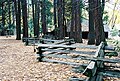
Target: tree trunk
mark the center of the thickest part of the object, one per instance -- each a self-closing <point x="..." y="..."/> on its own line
<point x="103" y="6"/>
<point x="24" y="15"/>
<point x="9" y="6"/>
<point x="28" y="8"/>
<point x="3" y="19"/>
<point x="33" y="14"/>
<point x="101" y="10"/>
<point x="99" y="28"/>
<point x="91" y="35"/>
<point x="55" y="18"/>
<point x="78" y="33"/>
<point x="36" y="20"/>
<point x="43" y="17"/>
<point x="13" y="13"/>
<point x="60" y="20"/>
<point x="18" y="19"/>
<point x="64" y="20"/>
<point x="72" y="29"/>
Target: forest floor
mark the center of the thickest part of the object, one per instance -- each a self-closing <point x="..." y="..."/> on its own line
<point x="18" y="63"/>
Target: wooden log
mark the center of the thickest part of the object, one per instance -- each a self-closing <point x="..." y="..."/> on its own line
<point x="112" y="66"/>
<point x="49" y="40"/>
<point x="40" y="51"/>
<point x="91" y="69"/>
<point x="30" y="38"/>
<point x="67" y="46"/>
<point x="63" y="41"/>
<point x="92" y="78"/>
<point x="79" y="69"/>
<point x="69" y="51"/>
<point x="82" y="58"/>
<point x="60" y="41"/>
<point x="60" y="62"/>
<point x="99" y="78"/>
<point x="115" y="74"/>
<point x="35" y="40"/>
<point x="98" y="52"/>
<point x="77" y="79"/>
<point x="106" y="60"/>
<point x="95" y="78"/>
<point x="111" y="48"/>
<point x="44" y="49"/>
<point x="29" y="41"/>
<point x="55" y="44"/>
<point x="57" y="56"/>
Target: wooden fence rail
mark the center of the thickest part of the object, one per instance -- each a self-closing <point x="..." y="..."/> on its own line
<point x="94" y="70"/>
<point x="36" y="41"/>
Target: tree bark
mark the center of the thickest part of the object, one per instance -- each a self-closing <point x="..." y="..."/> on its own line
<point x="18" y="19"/>
<point x="33" y="14"/>
<point x="103" y="6"/>
<point x="3" y="19"/>
<point x="64" y="20"/>
<point x="99" y="28"/>
<point x="43" y="17"/>
<point x="60" y="20"/>
<point x="72" y="29"/>
<point x="36" y="20"/>
<point x="13" y="13"/>
<point x="24" y="15"/>
<point x="78" y="33"/>
<point x="9" y="6"/>
<point x="101" y="10"/>
<point x="91" y="35"/>
<point x="3" y="15"/>
<point x="55" y="18"/>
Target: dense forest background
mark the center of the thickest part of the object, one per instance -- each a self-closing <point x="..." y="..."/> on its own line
<point x="33" y="18"/>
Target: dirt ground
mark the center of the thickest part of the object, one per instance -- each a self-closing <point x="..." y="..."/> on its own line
<point x="18" y="63"/>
